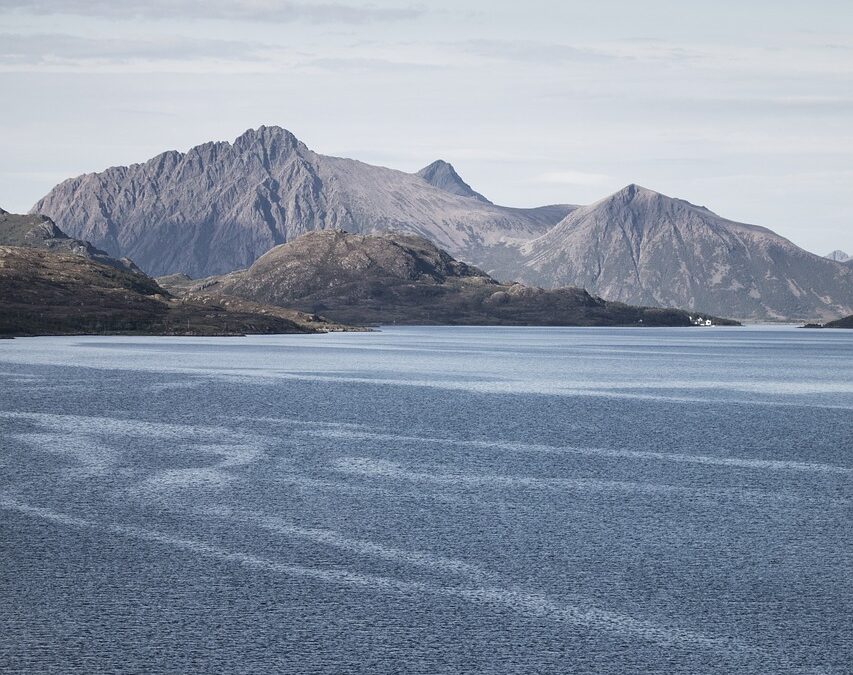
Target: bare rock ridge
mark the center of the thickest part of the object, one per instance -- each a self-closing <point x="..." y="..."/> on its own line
<point x="442" y="175"/>
<point x="641" y="247"/>
<point x="219" y="206"/>
<point x="397" y="278"/>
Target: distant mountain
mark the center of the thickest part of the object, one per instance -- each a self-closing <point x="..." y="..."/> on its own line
<point x="37" y="231"/>
<point x="395" y="278"/>
<point x="838" y="256"/>
<point x="219" y="206"/>
<point x="642" y="247"/>
<point x="442" y="175"/>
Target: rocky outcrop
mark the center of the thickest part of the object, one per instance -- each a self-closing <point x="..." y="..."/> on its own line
<point x="642" y="247"/>
<point x="38" y="231"/>
<point x="395" y="278"/>
<point x="219" y="206"/>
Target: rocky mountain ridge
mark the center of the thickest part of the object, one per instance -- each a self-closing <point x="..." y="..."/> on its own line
<point x="219" y="206"/>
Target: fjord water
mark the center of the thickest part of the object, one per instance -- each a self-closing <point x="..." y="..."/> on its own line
<point x="429" y="500"/>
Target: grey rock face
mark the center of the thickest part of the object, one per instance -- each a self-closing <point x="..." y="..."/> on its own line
<point x="442" y="175"/>
<point x="220" y="206"/>
<point x="37" y="231"/>
<point x="838" y="256"/>
<point x="641" y="247"/>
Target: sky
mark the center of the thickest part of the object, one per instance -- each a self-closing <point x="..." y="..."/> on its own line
<point x="743" y="107"/>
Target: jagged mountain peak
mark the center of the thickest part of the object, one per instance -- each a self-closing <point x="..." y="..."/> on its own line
<point x="271" y="141"/>
<point x="267" y="136"/>
<point x="442" y="175"/>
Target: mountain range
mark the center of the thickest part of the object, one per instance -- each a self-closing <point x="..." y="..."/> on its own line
<point x="52" y="284"/>
<point x="220" y="206"/>
<point x="396" y="278"/>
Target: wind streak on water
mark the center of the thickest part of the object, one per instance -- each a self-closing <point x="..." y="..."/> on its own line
<point x="78" y="436"/>
<point x="369" y="467"/>
<point x="708" y="460"/>
<point x="531" y="604"/>
<point x="337" y="540"/>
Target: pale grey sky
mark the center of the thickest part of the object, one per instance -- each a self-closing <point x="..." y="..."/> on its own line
<point x="744" y="107"/>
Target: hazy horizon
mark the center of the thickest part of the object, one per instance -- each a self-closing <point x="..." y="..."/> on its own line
<point x="744" y="110"/>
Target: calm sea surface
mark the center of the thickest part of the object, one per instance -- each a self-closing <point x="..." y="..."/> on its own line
<point x="429" y="500"/>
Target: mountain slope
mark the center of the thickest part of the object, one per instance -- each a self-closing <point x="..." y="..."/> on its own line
<point x="219" y="206"/>
<point x="641" y="247"/>
<point x="394" y="278"/>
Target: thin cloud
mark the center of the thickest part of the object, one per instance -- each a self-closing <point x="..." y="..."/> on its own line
<point x="534" y="52"/>
<point x="364" y="64"/>
<point x="61" y="49"/>
<point x="276" y="11"/>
